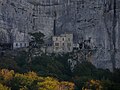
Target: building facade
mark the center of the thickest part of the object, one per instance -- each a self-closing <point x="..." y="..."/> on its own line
<point x="63" y="43"/>
<point x="21" y="40"/>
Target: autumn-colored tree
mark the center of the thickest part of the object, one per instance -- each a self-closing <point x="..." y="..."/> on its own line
<point x="66" y="86"/>
<point x="6" y="74"/>
<point x="93" y="85"/>
<point x="31" y="81"/>
<point x="4" y="87"/>
<point x="48" y="84"/>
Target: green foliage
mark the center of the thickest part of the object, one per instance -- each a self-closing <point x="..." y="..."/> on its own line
<point x="54" y="66"/>
<point x="8" y="62"/>
<point x="50" y="66"/>
<point x="35" y="44"/>
<point x="36" y="39"/>
<point x="22" y="61"/>
<point x="116" y="76"/>
<point x="84" y="69"/>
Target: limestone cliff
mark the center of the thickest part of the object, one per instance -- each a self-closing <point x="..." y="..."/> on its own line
<point x="15" y="14"/>
<point x="95" y="19"/>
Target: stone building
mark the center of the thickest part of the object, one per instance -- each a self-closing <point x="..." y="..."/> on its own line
<point x="63" y="43"/>
<point x="20" y="39"/>
<point x="20" y="42"/>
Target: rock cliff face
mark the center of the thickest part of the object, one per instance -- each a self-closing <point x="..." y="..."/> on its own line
<point x="95" y="19"/>
<point x="15" y="14"/>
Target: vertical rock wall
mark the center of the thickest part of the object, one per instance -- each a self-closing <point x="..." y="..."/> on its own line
<point x="84" y="18"/>
<point x="15" y="14"/>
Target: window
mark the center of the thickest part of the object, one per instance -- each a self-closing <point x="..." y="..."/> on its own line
<point x="69" y="49"/>
<point x="56" y="48"/>
<point x="20" y="44"/>
<point x="69" y="44"/>
<point x="63" y="39"/>
<point x="32" y="27"/>
<point x="63" y="44"/>
<point x="56" y="39"/>
<point x="68" y="39"/>
<point x="56" y="44"/>
<point x="25" y="44"/>
<point x="16" y="44"/>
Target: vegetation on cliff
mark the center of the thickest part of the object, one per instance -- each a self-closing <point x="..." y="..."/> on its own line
<point x="9" y="80"/>
<point x="84" y="76"/>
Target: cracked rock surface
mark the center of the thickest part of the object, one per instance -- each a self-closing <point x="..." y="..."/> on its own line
<point x="84" y="18"/>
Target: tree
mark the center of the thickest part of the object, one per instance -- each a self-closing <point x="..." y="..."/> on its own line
<point x="31" y="81"/>
<point x="36" y="39"/>
<point x="4" y="87"/>
<point x="35" y="43"/>
<point x="93" y="85"/>
<point x="6" y="74"/>
<point x="48" y="84"/>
